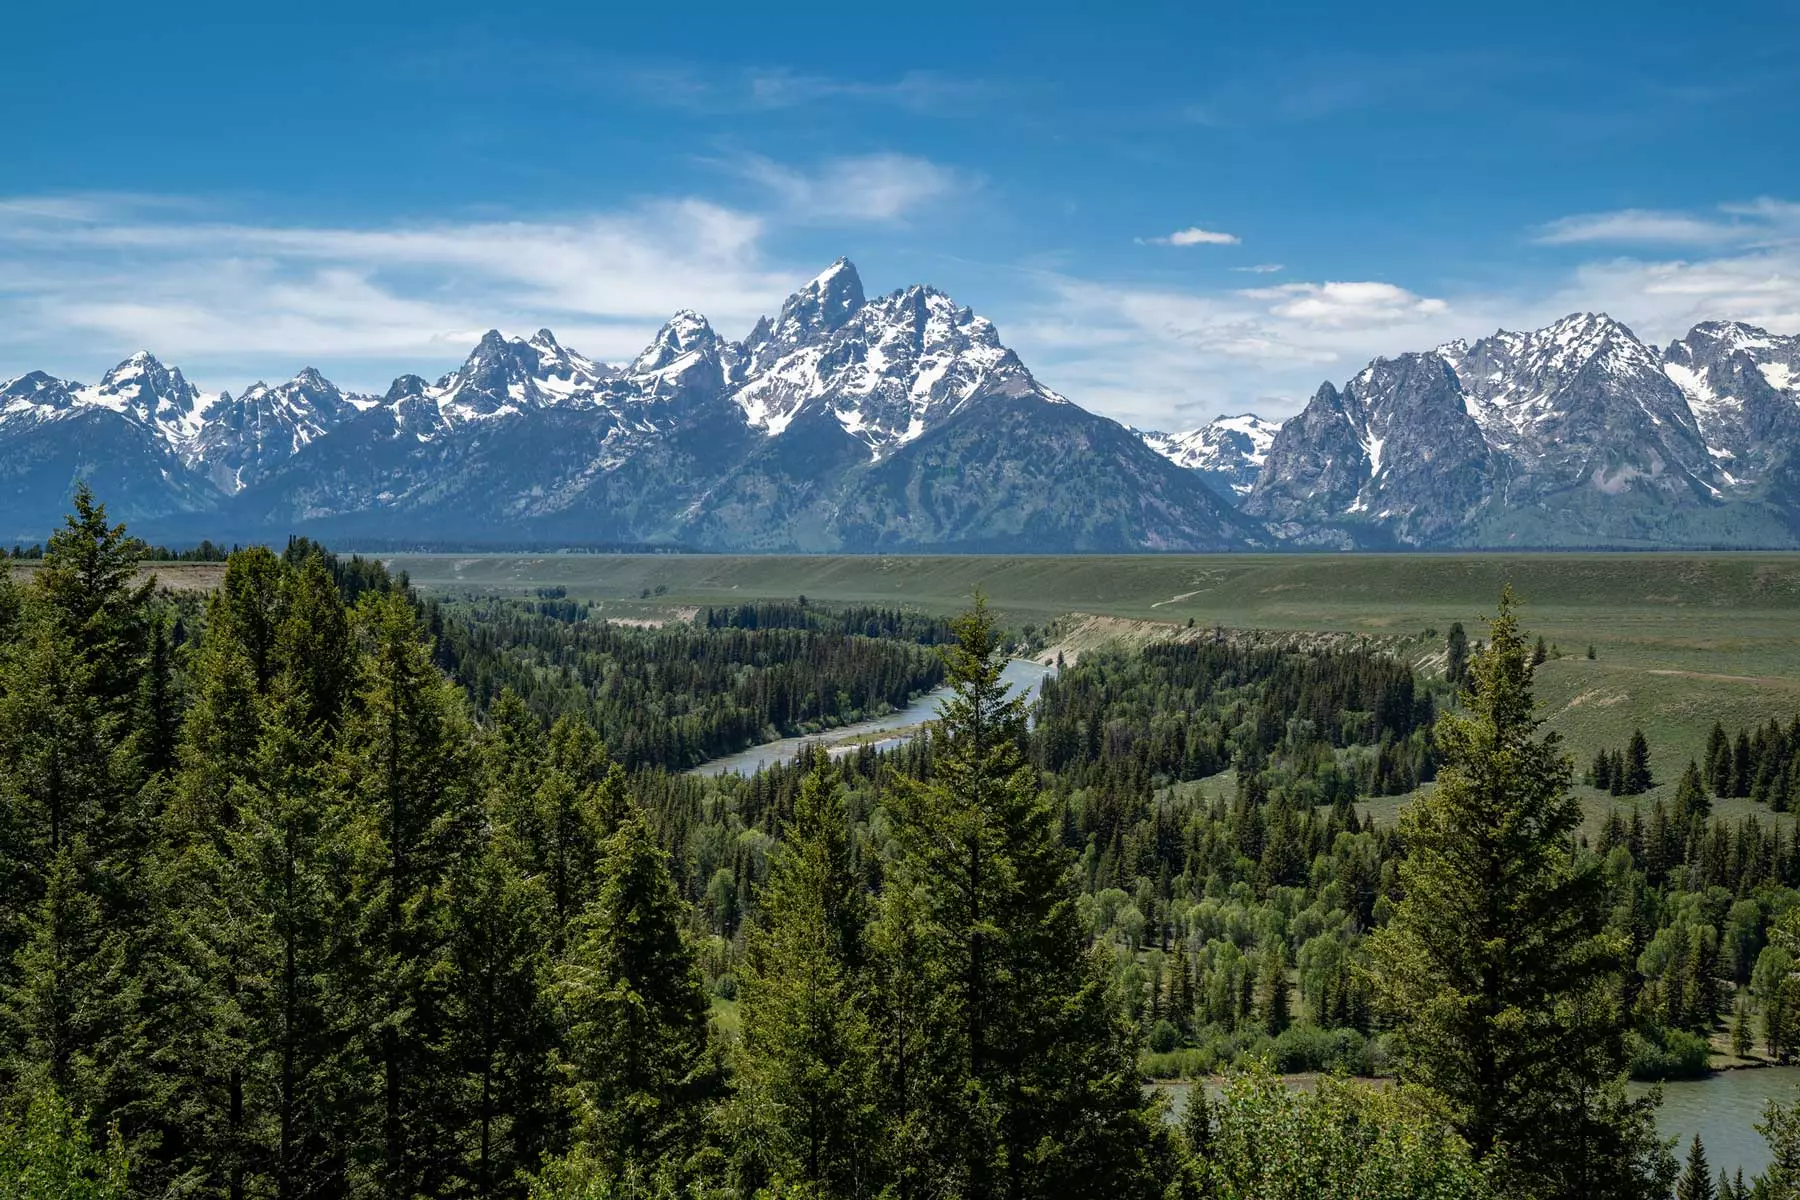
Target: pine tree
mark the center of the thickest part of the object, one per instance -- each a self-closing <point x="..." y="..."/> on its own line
<point x="1032" y="1090"/>
<point x="1539" y="653"/>
<point x="635" y="1014"/>
<point x="1272" y="1000"/>
<point x="1456" y="654"/>
<point x="805" y="1064"/>
<point x="1718" y="761"/>
<point x="294" y="855"/>
<point x="1637" y="765"/>
<point x="87" y="590"/>
<point x="1497" y="956"/>
<point x="499" y="1036"/>
<point x="404" y="775"/>
<point x="1696" y="1179"/>
<point x="1692" y="804"/>
<point x="313" y="644"/>
<point x="1600" y="774"/>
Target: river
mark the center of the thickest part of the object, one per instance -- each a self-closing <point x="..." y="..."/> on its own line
<point x="1722" y="1108"/>
<point x="1019" y="673"/>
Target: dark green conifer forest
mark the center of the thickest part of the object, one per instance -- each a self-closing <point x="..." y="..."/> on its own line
<point x="313" y="887"/>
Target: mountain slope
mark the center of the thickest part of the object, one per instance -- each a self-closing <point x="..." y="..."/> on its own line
<point x="1577" y="434"/>
<point x="845" y="422"/>
<point x="1228" y="452"/>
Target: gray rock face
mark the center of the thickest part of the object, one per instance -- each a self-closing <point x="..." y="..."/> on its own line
<point x="903" y="421"/>
<point x="242" y="439"/>
<point x="1742" y="385"/>
<point x="841" y="423"/>
<point x="1575" y="434"/>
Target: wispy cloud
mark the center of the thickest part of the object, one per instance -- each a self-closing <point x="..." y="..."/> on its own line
<point x="1161" y="356"/>
<point x="1354" y="305"/>
<point x="1261" y="269"/>
<point x="1639" y="226"/>
<point x="770" y="89"/>
<point x="103" y="278"/>
<point x="1193" y="235"/>
<point x="872" y="187"/>
<point x="919" y="91"/>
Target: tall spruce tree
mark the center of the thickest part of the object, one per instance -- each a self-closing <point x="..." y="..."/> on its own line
<point x="1456" y="654"/>
<point x="1696" y="1181"/>
<point x="805" y="1064"/>
<point x="1638" y="779"/>
<point x="635" y="1018"/>
<point x="499" y="1036"/>
<point x="404" y="770"/>
<point x="1497" y="964"/>
<point x="293" y="858"/>
<point x="1031" y="1087"/>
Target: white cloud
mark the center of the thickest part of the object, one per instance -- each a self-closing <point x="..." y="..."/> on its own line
<point x="85" y="284"/>
<point x="1360" y="304"/>
<point x="1261" y="269"/>
<point x="919" y="91"/>
<point x="1639" y="226"/>
<point x="1161" y="356"/>
<point x="873" y="187"/>
<point x="1193" y="235"/>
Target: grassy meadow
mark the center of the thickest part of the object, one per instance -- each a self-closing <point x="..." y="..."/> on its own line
<point x="1680" y="640"/>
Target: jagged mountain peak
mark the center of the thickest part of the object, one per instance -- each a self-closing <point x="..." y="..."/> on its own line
<point x="824" y="305"/>
<point x="892" y="368"/>
<point x="679" y="344"/>
<point x="1229" y="451"/>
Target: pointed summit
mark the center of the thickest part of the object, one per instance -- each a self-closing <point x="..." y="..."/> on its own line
<point x="684" y="334"/>
<point x="826" y="304"/>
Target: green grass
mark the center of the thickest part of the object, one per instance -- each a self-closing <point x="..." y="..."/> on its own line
<point x="1703" y="612"/>
<point x="1682" y="640"/>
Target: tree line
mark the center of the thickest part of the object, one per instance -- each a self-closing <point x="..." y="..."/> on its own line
<point x="287" y="913"/>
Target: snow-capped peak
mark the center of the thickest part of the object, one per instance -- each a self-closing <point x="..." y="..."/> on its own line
<point x="504" y="375"/>
<point x="826" y="304"/>
<point x="886" y="369"/>
<point x="683" y="339"/>
<point x="1232" y="448"/>
<point x="143" y="388"/>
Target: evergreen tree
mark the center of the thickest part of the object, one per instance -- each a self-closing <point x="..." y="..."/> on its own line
<point x="1272" y="1001"/>
<point x="1696" y="1178"/>
<point x="313" y="643"/>
<point x="499" y="1037"/>
<point x="1497" y="956"/>
<point x="1032" y="1087"/>
<point x="635" y="1013"/>
<point x="1718" y="760"/>
<point x="1692" y="804"/>
<point x="295" y="859"/>
<point x="805" y="1064"/>
<point x="404" y="775"/>
<point x="1456" y="654"/>
<point x="1600" y="774"/>
<point x="1637" y="765"/>
<point x="87" y="590"/>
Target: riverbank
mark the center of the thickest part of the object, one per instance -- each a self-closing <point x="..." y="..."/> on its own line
<point x="882" y="732"/>
<point x="1723" y="1108"/>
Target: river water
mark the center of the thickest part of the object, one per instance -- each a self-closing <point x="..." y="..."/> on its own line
<point x="1020" y="673"/>
<point x="1722" y="1108"/>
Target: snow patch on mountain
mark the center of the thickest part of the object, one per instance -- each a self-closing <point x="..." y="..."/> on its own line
<point x="1232" y="448"/>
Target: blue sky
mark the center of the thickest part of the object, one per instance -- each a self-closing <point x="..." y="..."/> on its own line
<point x="1171" y="211"/>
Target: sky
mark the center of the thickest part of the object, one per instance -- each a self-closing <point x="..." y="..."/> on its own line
<point x="1170" y="211"/>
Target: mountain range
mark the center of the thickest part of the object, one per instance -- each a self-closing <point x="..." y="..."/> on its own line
<point x="845" y="423"/>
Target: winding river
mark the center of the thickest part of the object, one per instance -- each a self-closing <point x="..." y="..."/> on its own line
<point x="1019" y="673"/>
